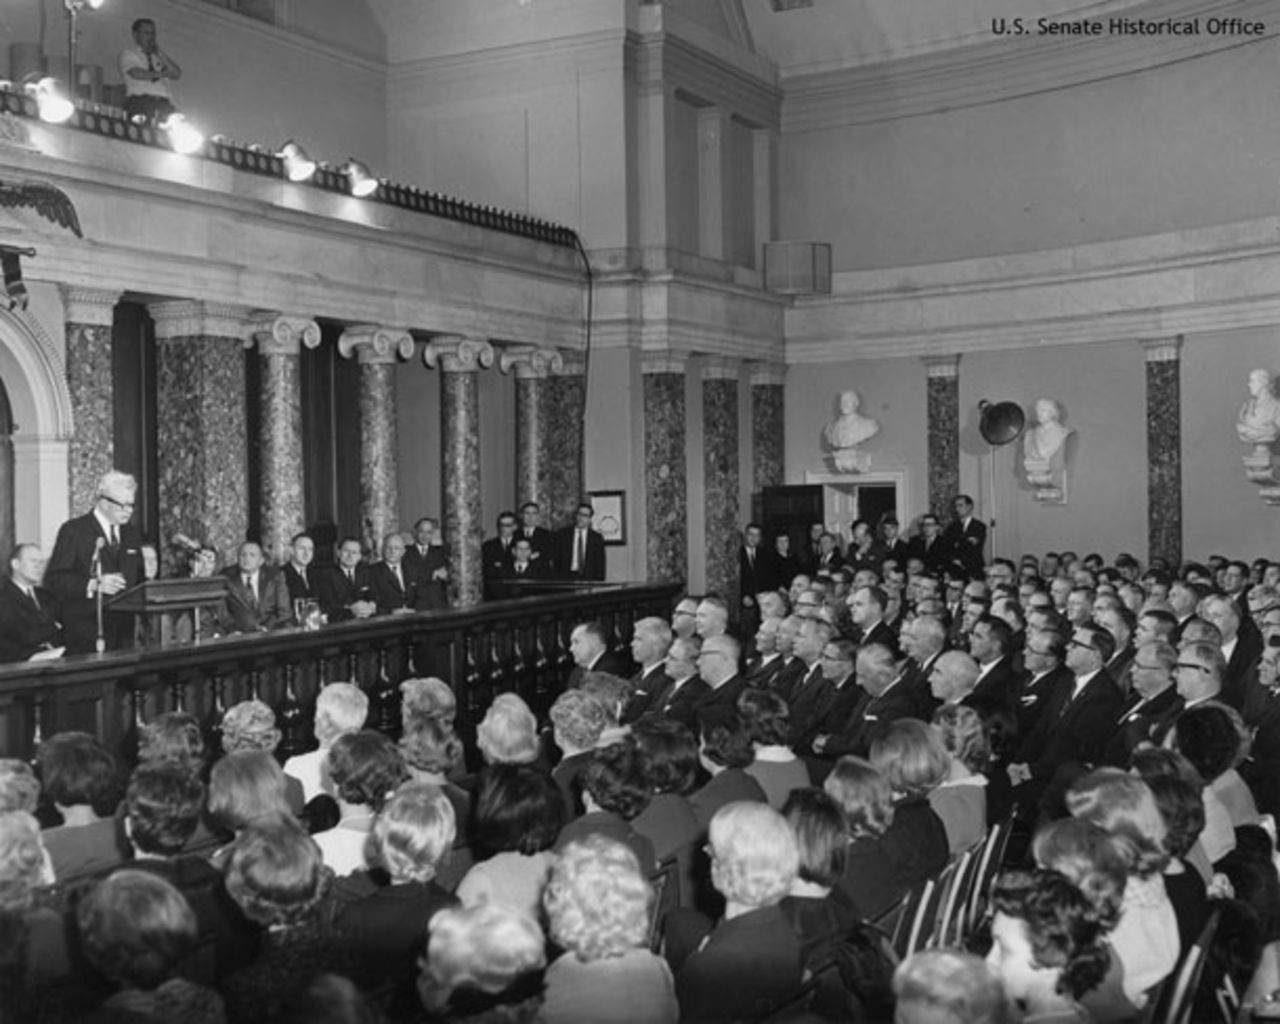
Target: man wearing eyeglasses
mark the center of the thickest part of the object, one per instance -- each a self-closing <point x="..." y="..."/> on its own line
<point x="1151" y="706"/>
<point x="98" y="551"/>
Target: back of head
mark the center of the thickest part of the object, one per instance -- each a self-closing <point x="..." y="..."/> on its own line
<point x="517" y="809"/>
<point x="754" y="859"/>
<point x="162" y="807"/>
<point x="1086" y="854"/>
<point x="911" y="757"/>
<point x="366" y="768"/>
<point x="1123" y="806"/>
<point x="173" y="736"/>
<point x="414" y="831"/>
<point x="276" y="874"/>
<point x="247" y="787"/>
<point x="668" y="755"/>
<point x="597" y="899"/>
<point x="1209" y="735"/>
<point x="340" y="708"/>
<point x="615" y="780"/>
<point x="821" y="834"/>
<point x="481" y="958"/>
<point x="963" y="735"/>
<point x="19" y="787"/>
<point x="75" y="769"/>
<point x="767" y="717"/>
<point x="430" y="746"/>
<point x="135" y="927"/>
<point x="509" y="732"/>
<point x="429" y="697"/>
<point x="725" y="742"/>
<point x="863" y="795"/>
<point x="249" y="725"/>
<point x="21" y="862"/>
<point x="579" y="719"/>
<point x="947" y="986"/>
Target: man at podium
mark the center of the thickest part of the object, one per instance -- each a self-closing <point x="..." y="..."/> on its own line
<point x="97" y="555"/>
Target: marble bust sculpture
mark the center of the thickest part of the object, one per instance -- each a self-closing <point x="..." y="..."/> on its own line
<point x="1259" y="419"/>
<point x="847" y="431"/>
<point x="1044" y="455"/>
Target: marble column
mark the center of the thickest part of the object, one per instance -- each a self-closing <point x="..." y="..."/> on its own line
<point x="767" y="426"/>
<point x="377" y="349"/>
<point x="88" y="315"/>
<point x="280" y="340"/>
<point x="1164" y="449"/>
<point x="666" y="484"/>
<point x="460" y="359"/>
<point x="568" y="397"/>
<point x="720" y="476"/>
<point x="203" y="423"/>
<point x="943" y="396"/>
<point x="536" y="447"/>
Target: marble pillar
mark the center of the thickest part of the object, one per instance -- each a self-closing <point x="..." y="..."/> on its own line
<point x="1164" y="450"/>
<point x="568" y="397"/>
<point x="202" y="422"/>
<point x="461" y="359"/>
<point x="720" y="476"/>
<point x="943" y="397"/>
<point x="666" y="484"/>
<point x="279" y="340"/>
<point x="378" y="349"/>
<point x="88" y="314"/>
<point x="767" y="426"/>
<point x="535" y="446"/>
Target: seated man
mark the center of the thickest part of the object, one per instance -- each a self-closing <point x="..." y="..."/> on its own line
<point x="513" y="577"/>
<point x="589" y="645"/>
<point x="394" y="591"/>
<point x="28" y="613"/>
<point x="345" y="590"/>
<point x="298" y="575"/>
<point x="257" y="598"/>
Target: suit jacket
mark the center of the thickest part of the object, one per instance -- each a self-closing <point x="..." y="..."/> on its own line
<point x="841" y="707"/>
<point x="831" y="561"/>
<point x="67" y="575"/>
<point x="337" y="593"/>
<point x="753" y="578"/>
<point x="968" y="543"/>
<point x="898" y="551"/>
<point x="1137" y="722"/>
<point x="1074" y="730"/>
<point x="494" y="560"/>
<point x="614" y="664"/>
<point x="1120" y="666"/>
<point x="540" y="539"/>
<point x="1046" y="692"/>
<point x="896" y="702"/>
<point x="916" y="679"/>
<point x="882" y="633"/>
<point x="681" y="705"/>
<point x="761" y="674"/>
<point x="808" y="699"/>
<point x="1243" y="660"/>
<point x="273" y="608"/>
<point x="432" y="593"/>
<point x="647" y="687"/>
<point x="24" y="627"/>
<point x="723" y="697"/>
<point x="388" y="592"/>
<point x="1262" y="770"/>
<point x="297" y="589"/>
<point x="999" y="685"/>
<point x="788" y="677"/>
<point x="508" y="582"/>
<point x="562" y="555"/>
<point x="936" y="556"/>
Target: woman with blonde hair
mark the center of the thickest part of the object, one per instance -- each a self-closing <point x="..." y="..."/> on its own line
<point x="866" y="801"/>
<point x="960" y="799"/>
<point x="509" y="732"/>
<point x="911" y="757"/>
<point x="341" y="708"/>
<point x="598" y="904"/>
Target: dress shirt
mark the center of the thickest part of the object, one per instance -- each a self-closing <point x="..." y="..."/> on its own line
<point x="1081" y="683"/>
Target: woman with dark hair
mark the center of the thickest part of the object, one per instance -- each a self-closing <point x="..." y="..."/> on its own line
<point x="669" y="760"/>
<point x="515" y="819"/>
<point x="775" y="765"/>
<point x="1046" y="946"/>
<point x="911" y="757"/>
<point x="866" y="802"/>
<point x="615" y="792"/>
<point x="725" y="752"/>
<point x="1213" y="737"/>
<point x="821" y="913"/>
<point x="78" y="776"/>
<point x="365" y="768"/>
<point x="1182" y="808"/>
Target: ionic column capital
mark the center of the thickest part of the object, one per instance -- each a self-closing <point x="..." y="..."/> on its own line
<point x="1163" y="350"/>
<point x="188" y="318"/>
<point x="457" y="354"/>
<point x="721" y="368"/>
<point x="278" y="334"/>
<point x="530" y="362"/>
<point x="763" y="374"/>
<point x="664" y="362"/>
<point x="375" y="345"/>
<point x="92" y="306"/>
<point x="573" y="364"/>
<point x="943" y="367"/>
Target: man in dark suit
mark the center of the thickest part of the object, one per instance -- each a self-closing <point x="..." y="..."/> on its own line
<point x="1120" y="623"/>
<point x="427" y="564"/>
<point x="841" y="698"/>
<point x="28" y="612"/>
<point x="538" y="536"/>
<point x="762" y="668"/>
<point x="496" y="555"/>
<point x="687" y="689"/>
<point x="881" y="678"/>
<point x="1241" y="647"/>
<point x="345" y="592"/>
<point x="923" y="639"/>
<point x="1152" y="704"/>
<point x="257" y="597"/>
<point x="929" y="546"/>
<point x="523" y="570"/>
<point x="866" y="607"/>
<point x="589" y="645"/>
<point x="966" y="536"/>
<point x="792" y="670"/>
<point x="755" y="573"/>
<point x="1046" y="677"/>
<point x="97" y="555"/>
<point x="810" y="693"/>
<point x="394" y="591"/>
<point x="298" y="575"/>
<point x="829" y="556"/>
<point x="578" y="549"/>
<point x="990" y="641"/>
<point x="650" y="641"/>
<point x="890" y="544"/>
<point x="718" y="667"/>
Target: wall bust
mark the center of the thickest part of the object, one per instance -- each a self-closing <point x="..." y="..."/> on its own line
<point x="1044" y="453"/>
<point x="847" y="432"/>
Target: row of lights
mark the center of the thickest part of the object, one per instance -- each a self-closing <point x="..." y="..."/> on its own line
<point x="55" y="107"/>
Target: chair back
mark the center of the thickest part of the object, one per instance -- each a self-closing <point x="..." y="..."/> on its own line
<point x="666" y="897"/>
<point x="914" y="926"/>
<point x="1178" y="999"/>
<point x="953" y="883"/>
<point x="990" y="856"/>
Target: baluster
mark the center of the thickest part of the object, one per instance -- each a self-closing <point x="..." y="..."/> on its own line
<point x="353" y="662"/>
<point x="37" y="727"/>
<point x="137" y="698"/>
<point x="385" y="696"/>
<point x="617" y="634"/>
<point x="497" y="675"/>
<point x="255" y="681"/>
<point x="216" y="711"/>
<point x="289" y="716"/>
<point x="471" y="676"/>
<point x="564" y="659"/>
<point x="519" y="667"/>
<point x="178" y="694"/>
<point x="322" y="672"/>
<point x="542" y="667"/>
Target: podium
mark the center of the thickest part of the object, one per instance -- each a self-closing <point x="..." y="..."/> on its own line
<point x="161" y="602"/>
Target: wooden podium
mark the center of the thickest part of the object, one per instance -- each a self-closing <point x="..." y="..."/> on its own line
<point x="161" y="602"/>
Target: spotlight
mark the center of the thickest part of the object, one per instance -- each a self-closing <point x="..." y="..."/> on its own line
<point x="184" y="137"/>
<point x="297" y="165"/>
<point x="363" y="183"/>
<point x="51" y="101"/>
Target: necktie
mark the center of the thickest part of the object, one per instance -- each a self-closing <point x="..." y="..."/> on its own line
<point x="351" y="577"/>
<point x="251" y="586"/>
<point x="115" y="537"/>
<point x="31" y="593"/>
<point x="305" y="584"/>
<point x="751" y="557"/>
<point x="580" y="552"/>
<point x="519" y="570"/>
<point x="399" y="578"/>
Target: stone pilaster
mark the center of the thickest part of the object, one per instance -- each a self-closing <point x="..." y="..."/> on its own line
<point x="202" y="422"/>
<point x="460" y="359"/>
<point x="280" y="340"/>
<point x="568" y="391"/>
<point x="666" y="482"/>
<point x="943" y="397"/>
<point x="1164" y="449"/>
<point x="720" y="476"/>
<point x="768" y="418"/>
<point x="536" y="445"/>
<point x="88" y="317"/>
<point x="377" y="349"/>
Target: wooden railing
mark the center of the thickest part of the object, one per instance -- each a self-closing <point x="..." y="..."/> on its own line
<point x="520" y="646"/>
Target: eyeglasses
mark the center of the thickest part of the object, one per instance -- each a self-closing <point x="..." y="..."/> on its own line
<point x="1073" y="642"/>
<point x="117" y="503"/>
<point x="1191" y="664"/>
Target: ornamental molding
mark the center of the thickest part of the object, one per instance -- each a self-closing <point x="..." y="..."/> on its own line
<point x="188" y="318"/>
<point x="941" y="367"/>
<point x="530" y="362"/>
<point x="768" y="374"/>
<point x="90" y="306"/>
<point x="1162" y="350"/>
<point x="664" y="362"/>
<point x="720" y="368"/>
<point x="376" y="346"/>
<point x="458" y="355"/>
<point x="278" y="334"/>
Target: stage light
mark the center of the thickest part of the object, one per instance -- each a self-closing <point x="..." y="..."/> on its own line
<point x="51" y="102"/>
<point x="363" y="183"/>
<point x="297" y="164"/>
<point x="184" y="137"/>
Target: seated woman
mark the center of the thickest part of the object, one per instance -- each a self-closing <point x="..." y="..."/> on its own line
<point x="577" y="721"/>
<point x="1214" y="739"/>
<point x="385" y="926"/>
<point x="177" y="737"/>
<point x="516" y="817"/>
<point x="1160" y="762"/>
<point x="912" y="760"/>
<point x="615" y="792"/>
<point x="1146" y="937"/>
<point x="483" y="964"/>
<point x="341" y="708"/>
<point x="820" y="912"/>
<point x="509" y="732"/>
<point x="427" y="698"/>
<point x="960" y="799"/>
<point x="80" y="778"/>
<point x="866" y="801"/>
<point x="366" y="768"/>
<point x="669" y="761"/>
<point x="598" y="904"/>
<point x="1182" y="809"/>
<point x="431" y="752"/>
<point x="251" y="725"/>
<point x="1046" y="946"/>
<point x="750" y="964"/>
<point x="135" y="928"/>
<point x="246" y="788"/>
<point x="946" y="986"/>
<point x="775" y="766"/>
<point x="725" y="751"/>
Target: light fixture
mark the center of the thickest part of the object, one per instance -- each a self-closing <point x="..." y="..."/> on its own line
<point x="363" y="183"/>
<point x="297" y="165"/>
<point x="51" y="102"/>
<point x="184" y="137"/>
<point x="73" y="9"/>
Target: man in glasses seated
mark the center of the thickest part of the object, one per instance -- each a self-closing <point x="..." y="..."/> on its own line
<point x="98" y="554"/>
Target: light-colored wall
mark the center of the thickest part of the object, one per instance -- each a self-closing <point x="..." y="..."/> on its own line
<point x="1187" y="144"/>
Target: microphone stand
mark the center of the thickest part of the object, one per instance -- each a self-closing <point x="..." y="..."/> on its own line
<point x="100" y="645"/>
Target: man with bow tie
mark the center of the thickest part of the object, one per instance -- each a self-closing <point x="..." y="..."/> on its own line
<point x="28" y="612"/>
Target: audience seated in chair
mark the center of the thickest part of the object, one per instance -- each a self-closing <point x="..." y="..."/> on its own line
<point x="774" y="765"/>
<point x="79" y="777"/>
<point x="246" y="788"/>
<point x="614" y="792"/>
<point x="341" y="708"/>
<point x="366" y="768"/>
<point x="960" y="799"/>
<point x="820" y="912"/>
<point x="725" y="751"/>
<point x="251" y="725"/>
<point x="866" y="801"/>
<point x="946" y="986"/>
<point x="910" y="756"/>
